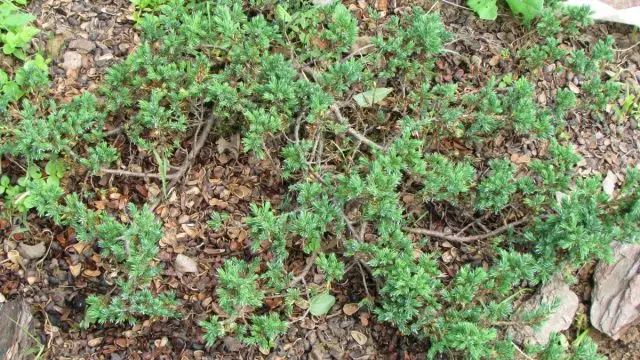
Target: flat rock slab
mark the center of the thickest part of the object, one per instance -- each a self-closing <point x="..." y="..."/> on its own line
<point x="15" y="324"/>
<point x="622" y="11"/>
<point x="615" y="300"/>
<point x="559" y="320"/>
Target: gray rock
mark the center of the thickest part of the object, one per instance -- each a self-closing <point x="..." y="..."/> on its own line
<point x="71" y="61"/>
<point x="104" y="60"/>
<point x="615" y="300"/>
<point x="82" y="45"/>
<point x="231" y="344"/>
<point x="15" y="323"/>
<point x="185" y="264"/>
<point x="32" y="252"/>
<point x="559" y="320"/>
<point x="322" y="2"/>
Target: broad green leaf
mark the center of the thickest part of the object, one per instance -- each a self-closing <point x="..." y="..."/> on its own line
<point x="282" y="14"/>
<point x="26" y="33"/>
<point x="321" y="304"/>
<point x="17" y="20"/>
<point x="529" y="9"/>
<point x="486" y="9"/>
<point x="368" y="98"/>
<point x="54" y="168"/>
<point x="34" y="172"/>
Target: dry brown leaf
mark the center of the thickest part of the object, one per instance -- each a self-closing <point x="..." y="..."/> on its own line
<point x="241" y="191"/>
<point x="382" y="5"/>
<point x="75" y="269"/>
<point x="520" y="158"/>
<point x="95" y="342"/>
<point x="91" y="273"/>
<point x="364" y="319"/>
<point x="14" y="257"/>
<point x="307" y="323"/>
<point x="191" y="230"/>
<point x="350" y="308"/>
<point x="359" y="337"/>
<point x="574" y="88"/>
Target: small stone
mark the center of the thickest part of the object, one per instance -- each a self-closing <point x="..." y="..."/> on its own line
<point x="609" y="183"/>
<point x="104" y="60"/>
<point x="557" y="321"/>
<point x="95" y="342"/>
<point x="185" y="264"/>
<point x="32" y="252"/>
<point x="71" y="61"/>
<point x="82" y="45"/>
<point x="476" y="61"/>
<point x="231" y="344"/>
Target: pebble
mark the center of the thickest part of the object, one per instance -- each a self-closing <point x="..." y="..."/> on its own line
<point x="82" y="45"/>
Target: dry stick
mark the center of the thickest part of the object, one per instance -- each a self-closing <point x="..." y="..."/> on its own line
<point x="357" y="52"/>
<point x="114" y="131"/>
<point x="181" y="170"/>
<point x="629" y="48"/>
<point x="466" y="239"/>
<point x="353" y="133"/>
<point x="306" y="269"/>
<point x="196" y="150"/>
<point x="456" y="5"/>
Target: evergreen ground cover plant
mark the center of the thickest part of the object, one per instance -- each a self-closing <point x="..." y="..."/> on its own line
<point x="354" y="134"/>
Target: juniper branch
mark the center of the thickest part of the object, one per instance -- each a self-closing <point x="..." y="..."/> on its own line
<point x="466" y="239"/>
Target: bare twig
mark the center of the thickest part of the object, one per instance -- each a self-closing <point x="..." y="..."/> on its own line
<point x="466" y="239"/>
<point x="456" y="5"/>
<point x="196" y="149"/>
<point x="364" y="278"/>
<point x="629" y="48"/>
<point x="522" y="352"/>
<point x="304" y="271"/>
<point x="175" y="176"/>
<point x="112" y="132"/>
<point x="358" y="52"/>
<point x="353" y="133"/>
<point x="119" y="172"/>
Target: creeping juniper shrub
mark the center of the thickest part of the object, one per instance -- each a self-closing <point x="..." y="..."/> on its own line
<point x="359" y="174"/>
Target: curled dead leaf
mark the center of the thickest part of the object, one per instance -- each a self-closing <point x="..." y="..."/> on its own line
<point x="32" y="252"/>
<point x="350" y="308"/>
<point x="91" y="273"/>
<point x="359" y="337"/>
<point x="95" y="342"/>
<point x="14" y="256"/>
<point x="75" y="269"/>
<point x="191" y="230"/>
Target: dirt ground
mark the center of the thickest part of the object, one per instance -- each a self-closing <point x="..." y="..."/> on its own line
<point x="103" y="33"/>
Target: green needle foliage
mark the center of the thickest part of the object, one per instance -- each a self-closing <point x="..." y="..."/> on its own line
<point x="361" y="170"/>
